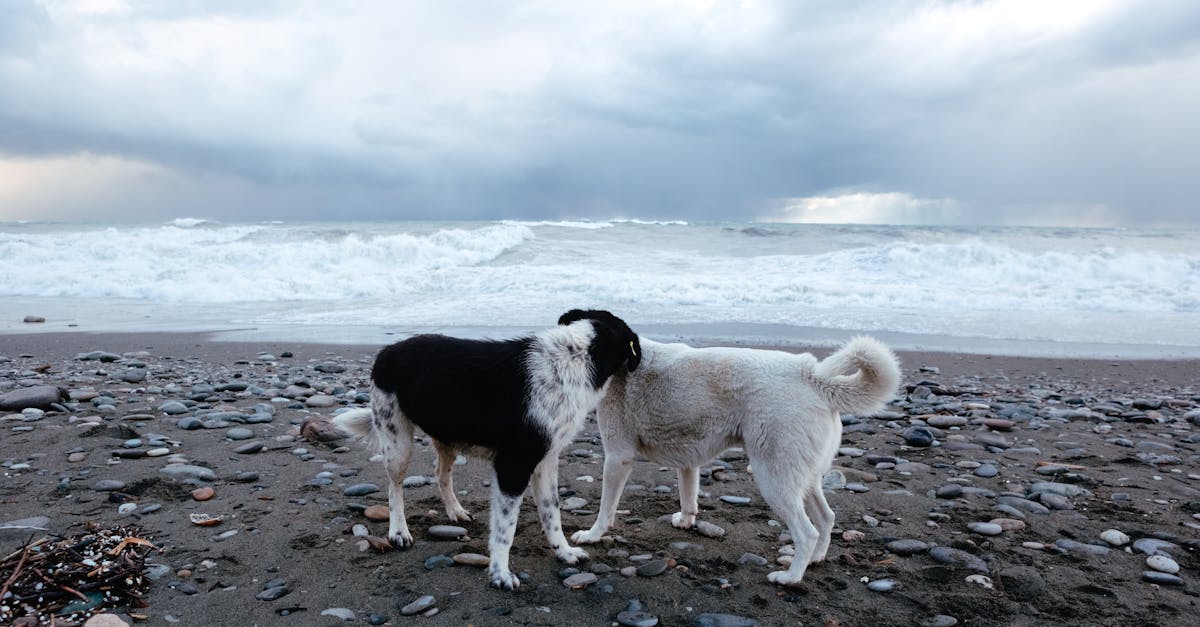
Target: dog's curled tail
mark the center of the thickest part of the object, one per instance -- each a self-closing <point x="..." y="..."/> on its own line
<point x="356" y="423"/>
<point x="860" y="377"/>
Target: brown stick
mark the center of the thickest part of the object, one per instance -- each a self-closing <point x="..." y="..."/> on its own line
<point x="20" y="564"/>
<point x="64" y="587"/>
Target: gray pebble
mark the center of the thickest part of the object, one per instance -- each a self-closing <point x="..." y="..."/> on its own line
<point x="1164" y="579"/>
<point x="447" y="532"/>
<point x="273" y="593"/>
<point x="361" y="489"/>
<point x="420" y="605"/>
<point x="580" y="580"/>
<point x="108" y="485"/>
<point x="652" y="568"/>
<point x="438" y="561"/>
<point x="956" y="557"/>
<point x="723" y="620"/>
<point x="416" y="481"/>
<point x="343" y="613"/>
<point x="239" y="433"/>
<point x="907" y="547"/>
<point x="735" y="500"/>
<point x="249" y="448"/>
<point x="882" y="585"/>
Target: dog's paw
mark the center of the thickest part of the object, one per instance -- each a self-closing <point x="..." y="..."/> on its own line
<point x="503" y="579"/>
<point x="683" y="521"/>
<point x="782" y="578"/>
<point x="459" y="515"/>
<point x="400" y="540"/>
<point x="587" y="536"/>
<point x="571" y="554"/>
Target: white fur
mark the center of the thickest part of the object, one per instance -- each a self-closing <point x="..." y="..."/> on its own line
<point x="683" y="406"/>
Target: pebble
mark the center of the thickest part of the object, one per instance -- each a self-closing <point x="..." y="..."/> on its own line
<point x="415" y="481"/>
<point x="378" y="513"/>
<point x="906" y="547"/>
<point x="940" y="620"/>
<point x="1071" y="546"/>
<point x="438" y="561"/>
<point x="709" y="530"/>
<point x="447" y="532"/>
<point x="573" y="503"/>
<point x="735" y="500"/>
<point x="1162" y="564"/>
<point x="239" y="433"/>
<point x="882" y="585"/>
<point x="652" y="568"/>
<point x="1161" y="578"/>
<point x="420" y="605"/>
<point x="634" y="616"/>
<point x="921" y="437"/>
<point x="339" y="612"/>
<point x="985" y="528"/>
<point x="108" y="485"/>
<point x="580" y="580"/>
<point x="472" y="559"/>
<point x="361" y="489"/>
<point x="1114" y="537"/>
<point x="203" y="494"/>
<point x="1154" y="546"/>
<point x="188" y="473"/>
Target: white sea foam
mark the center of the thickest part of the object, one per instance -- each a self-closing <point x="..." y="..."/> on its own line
<point x="1066" y="285"/>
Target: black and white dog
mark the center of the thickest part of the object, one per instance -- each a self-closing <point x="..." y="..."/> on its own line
<point x="516" y="402"/>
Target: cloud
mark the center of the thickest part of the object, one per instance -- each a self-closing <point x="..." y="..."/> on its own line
<point x="974" y="112"/>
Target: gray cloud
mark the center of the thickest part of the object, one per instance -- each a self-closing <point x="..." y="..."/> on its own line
<point x="1005" y="112"/>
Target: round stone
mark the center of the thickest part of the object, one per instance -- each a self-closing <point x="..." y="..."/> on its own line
<point x="1163" y="579"/>
<point x="907" y="547"/>
<point x="735" y="500"/>
<point x="203" y="494"/>
<point x="1115" y="537"/>
<point x="250" y="448"/>
<point x="75" y="458"/>
<point x="632" y="618"/>
<point x="438" y="561"/>
<point x="108" y="485"/>
<point x="653" y="568"/>
<point x="1162" y="564"/>
<point x="157" y="452"/>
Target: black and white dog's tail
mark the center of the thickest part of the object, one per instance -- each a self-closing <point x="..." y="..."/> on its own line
<point x="860" y="378"/>
<point x="357" y="424"/>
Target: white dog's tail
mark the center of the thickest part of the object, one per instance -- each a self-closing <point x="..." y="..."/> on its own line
<point x="356" y="423"/>
<point x="860" y="377"/>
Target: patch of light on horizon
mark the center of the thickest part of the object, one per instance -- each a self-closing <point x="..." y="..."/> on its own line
<point x="866" y="208"/>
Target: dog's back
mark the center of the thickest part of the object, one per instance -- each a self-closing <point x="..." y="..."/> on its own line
<point x="457" y="390"/>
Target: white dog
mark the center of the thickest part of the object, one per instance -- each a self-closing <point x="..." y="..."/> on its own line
<point x="684" y="406"/>
<point x="515" y="402"/>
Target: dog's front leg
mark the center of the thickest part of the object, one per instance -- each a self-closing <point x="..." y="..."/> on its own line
<point x="545" y="492"/>
<point x="505" y="510"/>
<point x="689" y="489"/>
<point x="396" y="461"/>
<point x="616" y="472"/>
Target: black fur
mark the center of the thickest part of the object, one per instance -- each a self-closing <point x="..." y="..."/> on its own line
<point x="615" y="344"/>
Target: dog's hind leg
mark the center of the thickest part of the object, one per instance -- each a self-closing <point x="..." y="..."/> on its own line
<point x="822" y="516"/>
<point x="785" y="495"/>
<point x="396" y="453"/>
<point x="545" y="493"/>
<point x="445" y="480"/>
<point x="617" y="466"/>
<point x="689" y="488"/>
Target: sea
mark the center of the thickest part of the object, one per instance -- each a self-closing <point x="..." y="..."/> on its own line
<point x="1058" y="292"/>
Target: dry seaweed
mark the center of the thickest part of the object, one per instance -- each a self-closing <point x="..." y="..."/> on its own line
<point x="57" y="580"/>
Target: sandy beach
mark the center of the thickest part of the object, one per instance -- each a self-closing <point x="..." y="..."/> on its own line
<point x="1049" y="454"/>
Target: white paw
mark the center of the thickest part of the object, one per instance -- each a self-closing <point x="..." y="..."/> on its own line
<point x="782" y="578"/>
<point x="588" y="536"/>
<point x="459" y="515"/>
<point x="571" y="554"/>
<point x="683" y="521"/>
<point x="503" y="579"/>
<point x="400" y="540"/>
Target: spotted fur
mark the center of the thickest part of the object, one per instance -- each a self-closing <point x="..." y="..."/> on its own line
<point x="516" y="403"/>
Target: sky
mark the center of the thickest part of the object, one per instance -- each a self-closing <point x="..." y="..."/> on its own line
<point x="1016" y="112"/>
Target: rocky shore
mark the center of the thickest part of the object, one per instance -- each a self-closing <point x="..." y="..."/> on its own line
<point x="993" y="491"/>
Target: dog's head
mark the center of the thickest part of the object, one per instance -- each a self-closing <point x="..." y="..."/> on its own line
<point x="614" y="344"/>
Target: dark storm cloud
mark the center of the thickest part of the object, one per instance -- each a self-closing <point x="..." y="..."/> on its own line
<point x="970" y="112"/>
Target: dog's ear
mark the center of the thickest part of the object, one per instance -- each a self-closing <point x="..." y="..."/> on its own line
<point x="635" y="352"/>
<point x="572" y="316"/>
